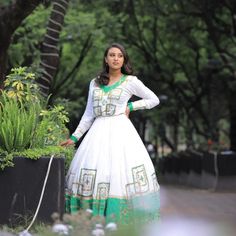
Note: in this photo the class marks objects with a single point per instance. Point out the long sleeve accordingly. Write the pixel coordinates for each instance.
(87, 118)
(149, 98)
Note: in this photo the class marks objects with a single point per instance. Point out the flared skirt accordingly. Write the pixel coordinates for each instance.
(113, 175)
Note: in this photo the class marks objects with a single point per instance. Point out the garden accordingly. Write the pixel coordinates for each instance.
(50, 50)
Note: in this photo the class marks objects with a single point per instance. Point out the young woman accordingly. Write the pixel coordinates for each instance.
(111, 172)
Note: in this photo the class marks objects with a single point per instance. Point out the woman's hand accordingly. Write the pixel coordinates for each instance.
(127, 111)
(67, 143)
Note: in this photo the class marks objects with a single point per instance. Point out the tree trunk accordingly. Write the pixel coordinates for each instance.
(11, 17)
(176, 130)
(3, 61)
(49, 51)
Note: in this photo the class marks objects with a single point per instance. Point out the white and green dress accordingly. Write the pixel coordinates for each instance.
(111, 172)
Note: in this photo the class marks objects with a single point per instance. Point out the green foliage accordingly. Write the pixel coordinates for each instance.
(20, 84)
(26, 127)
(5, 159)
(25, 46)
(18, 122)
(36, 153)
(51, 129)
(47, 151)
(173, 47)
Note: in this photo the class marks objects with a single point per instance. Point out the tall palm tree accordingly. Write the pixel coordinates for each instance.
(49, 51)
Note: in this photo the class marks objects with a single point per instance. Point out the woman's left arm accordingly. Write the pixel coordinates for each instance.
(149, 98)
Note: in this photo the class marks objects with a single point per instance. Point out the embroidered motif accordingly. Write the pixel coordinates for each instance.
(110, 110)
(97, 110)
(103, 103)
(115, 94)
(108, 88)
(97, 94)
(75, 188)
(130, 190)
(103, 190)
(140, 179)
(86, 182)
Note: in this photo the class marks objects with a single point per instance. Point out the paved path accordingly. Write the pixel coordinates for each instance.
(215, 208)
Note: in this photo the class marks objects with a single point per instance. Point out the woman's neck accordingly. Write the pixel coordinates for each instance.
(114, 75)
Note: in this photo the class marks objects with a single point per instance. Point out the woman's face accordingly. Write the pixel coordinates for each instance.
(114, 58)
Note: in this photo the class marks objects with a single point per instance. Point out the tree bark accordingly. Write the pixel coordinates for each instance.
(11, 17)
(49, 51)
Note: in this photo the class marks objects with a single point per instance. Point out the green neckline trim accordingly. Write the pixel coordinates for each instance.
(107, 88)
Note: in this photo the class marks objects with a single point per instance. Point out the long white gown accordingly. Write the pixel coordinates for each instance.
(111, 172)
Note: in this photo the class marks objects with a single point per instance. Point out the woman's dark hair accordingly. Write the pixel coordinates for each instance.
(103, 77)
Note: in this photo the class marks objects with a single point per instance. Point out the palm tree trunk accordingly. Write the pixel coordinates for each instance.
(49, 51)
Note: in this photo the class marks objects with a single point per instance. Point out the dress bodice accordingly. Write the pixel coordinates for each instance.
(112, 100)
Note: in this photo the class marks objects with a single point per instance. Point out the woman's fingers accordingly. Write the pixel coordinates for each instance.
(66, 143)
(127, 111)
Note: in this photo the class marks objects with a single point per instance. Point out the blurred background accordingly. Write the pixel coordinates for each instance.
(185, 51)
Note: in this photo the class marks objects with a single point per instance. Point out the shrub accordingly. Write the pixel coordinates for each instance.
(27, 125)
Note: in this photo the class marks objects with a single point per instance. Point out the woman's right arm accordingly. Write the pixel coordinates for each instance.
(85, 122)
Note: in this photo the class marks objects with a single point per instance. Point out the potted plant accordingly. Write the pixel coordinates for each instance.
(30, 131)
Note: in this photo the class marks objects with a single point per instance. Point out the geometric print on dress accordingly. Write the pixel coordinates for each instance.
(103, 102)
(87, 182)
(101, 198)
(140, 182)
(140, 179)
(115, 94)
(155, 182)
(102, 191)
(130, 190)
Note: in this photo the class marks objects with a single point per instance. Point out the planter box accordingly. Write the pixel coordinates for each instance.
(202, 170)
(21, 186)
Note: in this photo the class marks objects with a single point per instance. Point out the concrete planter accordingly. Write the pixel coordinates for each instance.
(203, 170)
(21, 186)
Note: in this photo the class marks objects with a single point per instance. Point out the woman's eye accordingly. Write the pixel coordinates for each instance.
(113, 55)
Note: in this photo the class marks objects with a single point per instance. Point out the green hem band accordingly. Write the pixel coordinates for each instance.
(123, 211)
(73, 138)
(130, 106)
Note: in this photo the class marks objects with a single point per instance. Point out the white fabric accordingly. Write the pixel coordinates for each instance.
(112, 153)
(97, 98)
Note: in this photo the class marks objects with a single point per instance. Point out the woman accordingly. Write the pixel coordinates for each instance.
(111, 172)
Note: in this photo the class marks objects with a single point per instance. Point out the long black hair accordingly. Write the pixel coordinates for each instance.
(103, 77)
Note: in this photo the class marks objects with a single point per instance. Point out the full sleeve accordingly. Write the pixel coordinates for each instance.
(149, 98)
(87, 118)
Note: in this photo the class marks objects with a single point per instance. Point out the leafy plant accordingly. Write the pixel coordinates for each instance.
(27, 128)
(20, 84)
(51, 129)
(5, 159)
(18, 122)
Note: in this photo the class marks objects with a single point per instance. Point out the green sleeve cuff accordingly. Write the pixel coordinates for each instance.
(73, 138)
(130, 106)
